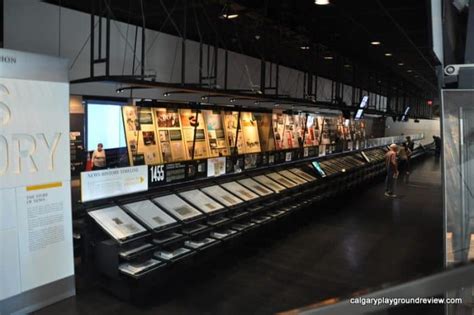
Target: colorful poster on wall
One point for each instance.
(264, 123)
(193, 125)
(234, 139)
(312, 131)
(170, 135)
(288, 130)
(215, 133)
(142, 142)
(249, 130)
(278, 124)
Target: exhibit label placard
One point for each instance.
(36, 247)
(113, 182)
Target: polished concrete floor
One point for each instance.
(364, 240)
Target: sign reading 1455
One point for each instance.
(157, 173)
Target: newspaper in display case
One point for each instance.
(239, 190)
(297, 179)
(255, 187)
(201, 200)
(262, 179)
(282, 180)
(177, 207)
(128, 252)
(168, 255)
(134, 268)
(224, 197)
(149, 214)
(302, 174)
(117, 223)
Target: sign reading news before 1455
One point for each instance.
(113, 182)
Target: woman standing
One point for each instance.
(98, 158)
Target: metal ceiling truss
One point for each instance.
(343, 72)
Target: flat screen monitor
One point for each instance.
(105, 125)
(405, 114)
(318, 168)
(359, 114)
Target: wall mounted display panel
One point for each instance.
(249, 129)
(221, 195)
(193, 125)
(142, 140)
(265, 131)
(117, 223)
(170, 135)
(35, 181)
(234, 139)
(177, 207)
(312, 135)
(149, 214)
(216, 135)
(288, 130)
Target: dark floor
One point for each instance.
(364, 240)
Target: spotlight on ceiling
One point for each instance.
(401, 64)
(304, 47)
(375, 43)
(119, 90)
(232, 100)
(229, 16)
(409, 71)
(388, 54)
(328, 57)
(204, 97)
(347, 65)
(166, 94)
(321, 2)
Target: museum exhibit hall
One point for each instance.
(237, 157)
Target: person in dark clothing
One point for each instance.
(437, 141)
(392, 170)
(410, 143)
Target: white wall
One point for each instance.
(426, 126)
(34, 26)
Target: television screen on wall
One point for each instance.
(104, 125)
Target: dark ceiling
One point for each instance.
(276, 29)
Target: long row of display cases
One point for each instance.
(147, 235)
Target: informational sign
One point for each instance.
(36, 251)
(216, 166)
(113, 182)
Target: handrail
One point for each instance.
(433, 285)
